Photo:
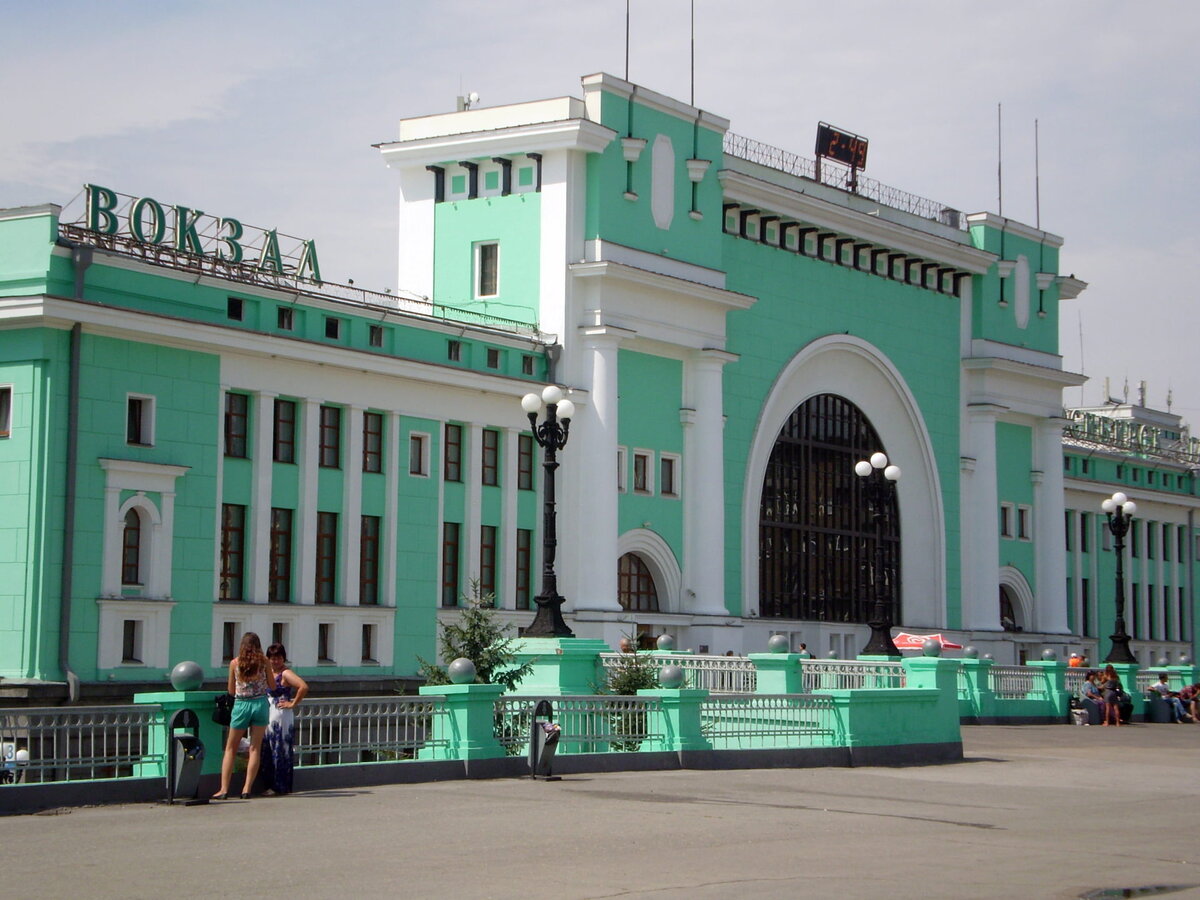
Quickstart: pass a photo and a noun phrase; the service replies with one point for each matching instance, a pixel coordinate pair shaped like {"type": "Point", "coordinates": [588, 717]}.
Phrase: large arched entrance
{"type": "Point", "coordinates": [817, 537]}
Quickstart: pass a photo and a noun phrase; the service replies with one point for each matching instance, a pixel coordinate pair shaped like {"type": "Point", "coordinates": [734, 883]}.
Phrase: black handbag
{"type": "Point", "coordinates": [223, 709]}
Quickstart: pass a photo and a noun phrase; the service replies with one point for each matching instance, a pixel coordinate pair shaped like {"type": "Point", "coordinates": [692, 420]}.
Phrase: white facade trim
{"type": "Point", "coordinates": [664, 568]}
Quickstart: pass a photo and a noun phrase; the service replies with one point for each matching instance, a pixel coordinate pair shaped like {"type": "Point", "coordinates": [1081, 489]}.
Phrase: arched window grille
{"type": "Point", "coordinates": [817, 537]}
{"type": "Point", "coordinates": [131, 549]}
{"type": "Point", "coordinates": [635, 585]}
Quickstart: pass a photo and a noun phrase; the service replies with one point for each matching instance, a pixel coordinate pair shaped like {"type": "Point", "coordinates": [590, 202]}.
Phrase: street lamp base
{"type": "Point", "coordinates": [549, 621]}
{"type": "Point", "coordinates": [1120, 652]}
{"type": "Point", "coordinates": [881, 643]}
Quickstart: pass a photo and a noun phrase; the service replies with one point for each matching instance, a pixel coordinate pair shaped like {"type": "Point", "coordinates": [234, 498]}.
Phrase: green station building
{"type": "Point", "coordinates": [199, 437]}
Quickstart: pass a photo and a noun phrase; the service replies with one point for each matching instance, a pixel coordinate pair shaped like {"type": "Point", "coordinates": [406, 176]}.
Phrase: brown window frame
{"type": "Point", "coordinates": [372, 459]}
{"type": "Point", "coordinates": [451, 544]}
{"type": "Point", "coordinates": [368, 560]}
{"type": "Point", "coordinates": [524, 567]}
{"type": "Point", "coordinates": [237, 423]}
{"type": "Point", "coordinates": [233, 552]}
{"type": "Point", "coordinates": [325, 588]}
{"type": "Point", "coordinates": [131, 549]}
{"type": "Point", "coordinates": [487, 562]}
{"type": "Point", "coordinates": [329, 453]}
{"type": "Point", "coordinates": [452, 453]}
{"type": "Point", "coordinates": [283, 432]}
{"type": "Point", "coordinates": [279, 579]}
{"type": "Point", "coordinates": [525, 462]}
{"type": "Point", "coordinates": [489, 460]}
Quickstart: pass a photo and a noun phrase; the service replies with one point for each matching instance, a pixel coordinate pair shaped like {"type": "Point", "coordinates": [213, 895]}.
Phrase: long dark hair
{"type": "Point", "coordinates": [250, 658]}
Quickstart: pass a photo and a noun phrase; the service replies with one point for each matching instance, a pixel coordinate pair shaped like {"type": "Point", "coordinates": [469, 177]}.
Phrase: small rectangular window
{"type": "Point", "coordinates": [325, 642]}
{"type": "Point", "coordinates": [6, 395]}
{"type": "Point", "coordinates": [454, 351]}
{"type": "Point", "coordinates": [452, 462]}
{"type": "Point", "coordinates": [1086, 466]}
{"type": "Point", "coordinates": [1120, 472]}
{"type": "Point", "coordinates": [1166, 542]}
{"type": "Point", "coordinates": [525, 462]}
{"type": "Point", "coordinates": [284, 432]}
{"type": "Point", "coordinates": [326, 555]}
{"type": "Point", "coordinates": [139, 420]}
{"type": "Point", "coordinates": [1137, 474]}
{"type": "Point", "coordinates": [372, 460]}
{"type": "Point", "coordinates": [1006, 525]}
{"type": "Point", "coordinates": [230, 636]}
{"type": "Point", "coordinates": [491, 457]}
{"type": "Point", "coordinates": [487, 270]}
{"type": "Point", "coordinates": [418, 454]}
{"type": "Point", "coordinates": [375, 336]}
{"type": "Point", "coordinates": [1085, 597]}
{"type": "Point", "coordinates": [234, 308]}
{"type": "Point", "coordinates": [233, 550]}
{"type": "Point", "coordinates": [1151, 541]}
{"type": "Point", "coordinates": [1085, 532]}
{"type": "Point", "coordinates": [368, 562]}
{"type": "Point", "coordinates": [330, 437]}
{"type": "Point", "coordinates": [237, 415]}
{"type": "Point", "coordinates": [526, 365]}
{"type": "Point", "coordinates": [493, 358]}
{"type": "Point", "coordinates": [1024, 514]}
{"type": "Point", "coordinates": [642, 475]}
{"type": "Point", "coordinates": [1069, 527]}
{"type": "Point", "coordinates": [524, 566]}
{"type": "Point", "coordinates": [279, 633]}
{"type": "Point", "coordinates": [1149, 476]}
{"type": "Point", "coordinates": [622, 469]}
{"type": "Point", "coordinates": [1135, 545]}
{"type": "Point", "coordinates": [333, 328]}
{"type": "Point", "coordinates": [279, 586]}
{"type": "Point", "coordinates": [487, 562]}
{"type": "Point", "coordinates": [285, 320]}
{"type": "Point", "coordinates": [668, 467]}
{"type": "Point", "coordinates": [450, 545]}
{"type": "Point", "coordinates": [1066, 464]}
{"type": "Point", "coordinates": [368, 643]}
{"type": "Point", "coordinates": [131, 641]}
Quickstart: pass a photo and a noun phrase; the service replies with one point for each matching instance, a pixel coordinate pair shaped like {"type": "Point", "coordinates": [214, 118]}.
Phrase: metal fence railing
{"type": "Point", "coordinates": [365, 729]}
{"type": "Point", "coordinates": [1073, 679]}
{"type": "Point", "coordinates": [768, 721]}
{"type": "Point", "coordinates": [588, 724]}
{"type": "Point", "coordinates": [82, 743]}
{"type": "Point", "coordinates": [829, 675]}
{"type": "Point", "coordinates": [718, 674]}
{"type": "Point", "coordinates": [1016, 683]}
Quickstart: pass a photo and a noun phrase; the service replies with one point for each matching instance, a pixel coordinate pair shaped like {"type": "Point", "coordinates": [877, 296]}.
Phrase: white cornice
{"type": "Point", "coordinates": [600, 250]}
{"type": "Point", "coordinates": [1012, 226]}
{"type": "Point", "coordinates": [645, 278]}
{"type": "Point", "coordinates": [611, 84]}
{"type": "Point", "coordinates": [1069, 287]}
{"type": "Point", "coordinates": [1024, 370]}
{"type": "Point", "coordinates": [750, 191]}
{"type": "Point", "coordinates": [570, 134]}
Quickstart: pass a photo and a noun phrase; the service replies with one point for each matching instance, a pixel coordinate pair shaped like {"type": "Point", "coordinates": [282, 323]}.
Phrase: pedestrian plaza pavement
{"type": "Point", "coordinates": [1049, 811]}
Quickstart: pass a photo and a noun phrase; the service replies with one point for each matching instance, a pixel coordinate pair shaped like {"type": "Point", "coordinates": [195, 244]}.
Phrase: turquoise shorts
{"type": "Point", "coordinates": [246, 713]}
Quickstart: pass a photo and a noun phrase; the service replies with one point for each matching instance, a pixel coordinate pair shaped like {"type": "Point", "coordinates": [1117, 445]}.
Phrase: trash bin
{"type": "Point", "coordinates": [543, 742]}
{"type": "Point", "coordinates": [185, 757]}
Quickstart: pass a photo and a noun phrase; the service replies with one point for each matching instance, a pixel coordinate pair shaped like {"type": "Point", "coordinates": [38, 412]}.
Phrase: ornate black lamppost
{"type": "Point", "coordinates": [879, 484]}
{"type": "Point", "coordinates": [1120, 511]}
{"type": "Point", "coordinates": [551, 435]}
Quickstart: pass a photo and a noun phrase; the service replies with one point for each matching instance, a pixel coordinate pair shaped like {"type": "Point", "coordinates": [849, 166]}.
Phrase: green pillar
{"type": "Point", "coordinates": [1054, 685]}
{"type": "Point", "coordinates": [980, 702]}
{"type": "Point", "coordinates": [212, 735]}
{"type": "Point", "coordinates": [1127, 672]}
{"type": "Point", "coordinates": [679, 721]}
{"type": "Point", "coordinates": [561, 666]}
{"type": "Point", "coordinates": [466, 729]}
{"type": "Point", "coordinates": [777, 673]}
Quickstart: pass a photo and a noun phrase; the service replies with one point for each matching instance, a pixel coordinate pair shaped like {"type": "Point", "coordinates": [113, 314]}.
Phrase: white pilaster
{"type": "Point", "coordinates": [506, 577]}
{"type": "Point", "coordinates": [351, 528]}
{"type": "Point", "coordinates": [304, 543]}
{"type": "Point", "coordinates": [258, 525]}
{"type": "Point", "coordinates": [704, 484]}
{"type": "Point", "coordinates": [472, 471]}
{"type": "Point", "coordinates": [416, 231]}
{"type": "Point", "coordinates": [391, 514]}
{"type": "Point", "coordinates": [981, 525]}
{"type": "Point", "coordinates": [1050, 563]}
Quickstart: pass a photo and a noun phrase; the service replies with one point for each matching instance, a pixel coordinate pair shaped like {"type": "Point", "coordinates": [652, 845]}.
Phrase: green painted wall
{"type": "Point", "coordinates": [801, 299]}
{"type": "Point", "coordinates": [515, 223]}
{"type": "Point", "coordinates": [996, 322]}
{"type": "Point", "coordinates": [1014, 462]}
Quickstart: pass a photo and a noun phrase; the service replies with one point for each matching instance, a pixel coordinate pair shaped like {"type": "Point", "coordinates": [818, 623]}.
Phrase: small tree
{"type": "Point", "coordinates": [630, 673]}
{"type": "Point", "coordinates": [481, 639]}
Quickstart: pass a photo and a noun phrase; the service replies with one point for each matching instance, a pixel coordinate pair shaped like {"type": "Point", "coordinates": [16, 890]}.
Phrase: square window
{"type": "Point", "coordinates": [6, 395]}
{"type": "Point", "coordinates": [458, 184]}
{"type": "Point", "coordinates": [526, 364]}
{"type": "Point", "coordinates": [525, 176]}
{"type": "Point", "coordinates": [139, 420]}
{"type": "Point", "coordinates": [375, 337]}
{"type": "Point", "coordinates": [491, 180]}
{"type": "Point", "coordinates": [418, 454]}
{"type": "Point", "coordinates": [234, 308]}
{"type": "Point", "coordinates": [493, 358]}
{"type": "Point", "coordinates": [333, 328]}
{"type": "Point", "coordinates": [487, 269]}
{"type": "Point", "coordinates": [285, 320]}
{"type": "Point", "coordinates": [454, 351]}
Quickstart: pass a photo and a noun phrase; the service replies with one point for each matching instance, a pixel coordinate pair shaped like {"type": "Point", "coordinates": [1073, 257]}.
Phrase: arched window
{"type": "Point", "coordinates": [131, 549]}
{"type": "Point", "coordinates": [635, 585]}
{"type": "Point", "coordinates": [817, 537]}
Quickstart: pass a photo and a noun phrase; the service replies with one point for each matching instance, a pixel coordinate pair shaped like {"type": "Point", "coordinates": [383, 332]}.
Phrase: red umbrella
{"type": "Point", "coordinates": [905, 641]}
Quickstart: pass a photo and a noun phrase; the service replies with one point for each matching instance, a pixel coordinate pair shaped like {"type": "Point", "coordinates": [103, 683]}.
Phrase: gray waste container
{"type": "Point", "coordinates": [185, 757]}
{"type": "Point", "coordinates": [543, 742]}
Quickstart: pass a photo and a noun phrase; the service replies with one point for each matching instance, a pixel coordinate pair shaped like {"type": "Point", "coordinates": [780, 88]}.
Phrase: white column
{"type": "Point", "coordinates": [588, 550]}
{"type": "Point", "coordinates": [113, 531]}
{"type": "Point", "coordinates": [981, 524]}
{"type": "Point", "coordinates": [258, 526]}
{"type": "Point", "coordinates": [304, 542]}
{"type": "Point", "coordinates": [704, 484]}
{"type": "Point", "coordinates": [391, 514]}
{"type": "Point", "coordinates": [162, 556]}
{"type": "Point", "coordinates": [1050, 563]}
{"type": "Point", "coordinates": [351, 533]}
{"type": "Point", "coordinates": [472, 470]}
{"type": "Point", "coordinates": [506, 577]}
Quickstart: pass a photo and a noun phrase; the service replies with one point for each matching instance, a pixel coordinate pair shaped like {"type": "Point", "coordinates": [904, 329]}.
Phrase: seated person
{"type": "Point", "coordinates": [1091, 699]}
{"type": "Point", "coordinates": [1190, 698]}
{"type": "Point", "coordinates": [1171, 698]}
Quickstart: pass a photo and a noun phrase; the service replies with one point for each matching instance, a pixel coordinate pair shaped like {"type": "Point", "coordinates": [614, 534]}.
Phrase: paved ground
{"type": "Point", "coordinates": [1035, 811]}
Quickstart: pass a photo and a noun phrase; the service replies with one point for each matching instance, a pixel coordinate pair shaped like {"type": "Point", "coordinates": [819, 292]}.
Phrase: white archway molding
{"type": "Point", "coordinates": [1021, 594]}
{"type": "Point", "coordinates": [852, 368]}
{"type": "Point", "coordinates": [660, 560]}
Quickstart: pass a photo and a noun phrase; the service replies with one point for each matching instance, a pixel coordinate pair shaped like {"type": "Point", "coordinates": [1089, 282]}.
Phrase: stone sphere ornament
{"type": "Point", "coordinates": [833, 654]}
{"type": "Point", "coordinates": [1163, 661]}
{"type": "Point", "coordinates": [777, 643]}
{"type": "Point", "coordinates": [970, 653]}
{"type": "Point", "coordinates": [1049, 654]}
{"type": "Point", "coordinates": [461, 671]}
{"type": "Point", "coordinates": [187, 676]}
{"type": "Point", "coordinates": [988, 656]}
{"type": "Point", "coordinates": [671, 676]}
{"type": "Point", "coordinates": [1185, 660]}
{"type": "Point", "coordinates": [931, 647]}
{"type": "Point", "coordinates": [665, 642]}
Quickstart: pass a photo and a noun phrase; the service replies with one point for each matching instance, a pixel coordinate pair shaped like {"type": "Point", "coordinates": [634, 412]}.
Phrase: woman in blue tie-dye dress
{"type": "Point", "coordinates": [286, 690]}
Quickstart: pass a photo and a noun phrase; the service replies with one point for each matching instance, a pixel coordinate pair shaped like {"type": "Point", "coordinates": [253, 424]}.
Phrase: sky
{"type": "Point", "coordinates": [266, 112]}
